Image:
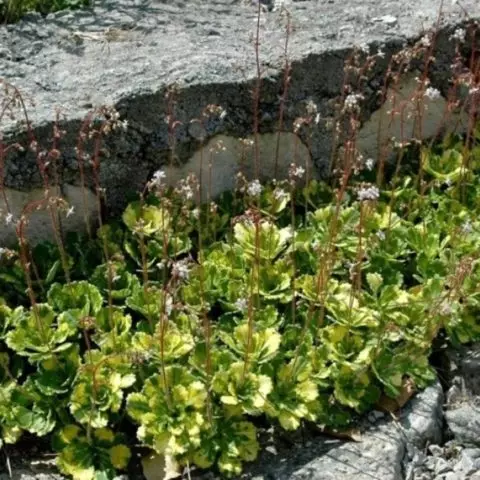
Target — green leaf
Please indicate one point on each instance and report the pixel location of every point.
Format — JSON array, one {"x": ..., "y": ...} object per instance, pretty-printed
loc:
[
  {"x": 38, "y": 334},
  {"x": 263, "y": 346},
  {"x": 114, "y": 280},
  {"x": 264, "y": 240},
  {"x": 146, "y": 219},
  {"x": 81, "y": 296}
]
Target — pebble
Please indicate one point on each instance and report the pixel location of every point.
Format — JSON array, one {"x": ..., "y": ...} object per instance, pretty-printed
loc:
[
  {"x": 389, "y": 20},
  {"x": 442, "y": 466}
]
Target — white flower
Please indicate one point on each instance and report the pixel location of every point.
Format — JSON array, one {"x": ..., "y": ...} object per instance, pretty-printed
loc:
[
  {"x": 2, "y": 251},
  {"x": 196, "y": 213},
  {"x": 459, "y": 35},
  {"x": 370, "y": 163},
  {"x": 161, "y": 264},
  {"x": 9, "y": 219},
  {"x": 350, "y": 266},
  {"x": 432, "y": 93},
  {"x": 158, "y": 177},
  {"x": 368, "y": 193},
  {"x": 254, "y": 188},
  {"x": 279, "y": 194},
  {"x": 70, "y": 211},
  {"x": 288, "y": 232},
  {"x": 186, "y": 191},
  {"x": 296, "y": 171},
  {"x": 448, "y": 182},
  {"x": 467, "y": 227},
  {"x": 425, "y": 41},
  {"x": 241, "y": 304},
  {"x": 351, "y": 101},
  {"x": 180, "y": 269},
  {"x": 381, "y": 235},
  {"x": 168, "y": 305}
]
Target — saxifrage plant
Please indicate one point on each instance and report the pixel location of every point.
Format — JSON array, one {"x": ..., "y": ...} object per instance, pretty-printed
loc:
[{"x": 195, "y": 334}]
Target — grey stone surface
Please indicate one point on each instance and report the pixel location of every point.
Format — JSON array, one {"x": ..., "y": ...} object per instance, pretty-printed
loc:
[
  {"x": 462, "y": 413},
  {"x": 452, "y": 462},
  {"x": 423, "y": 420},
  {"x": 464, "y": 423},
  {"x": 34, "y": 469},
  {"x": 76, "y": 60},
  {"x": 465, "y": 368},
  {"x": 459, "y": 457}
]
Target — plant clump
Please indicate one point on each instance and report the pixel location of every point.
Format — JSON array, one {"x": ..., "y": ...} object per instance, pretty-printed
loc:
[{"x": 196, "y": 324}]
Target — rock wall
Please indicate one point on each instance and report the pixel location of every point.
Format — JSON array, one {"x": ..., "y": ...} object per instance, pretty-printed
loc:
[{"x": 128, "y": 53}]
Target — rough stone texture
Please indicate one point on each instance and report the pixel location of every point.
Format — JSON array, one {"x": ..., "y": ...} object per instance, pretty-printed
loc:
[
  {"x": 223, "y": 157},
  {"x": 439, "y": 463},
  {"x": 465, "y": 368},
  {"x": 464, "y": 423},
  {"x": 39, "y": 226},
  {"x": 206, "y": 49},
  {"x": 402, "y": 118},
  {"x": 463, "y": 409},
  {"x": 424, "y": 419},
  {"x": 459, "y": 457}
]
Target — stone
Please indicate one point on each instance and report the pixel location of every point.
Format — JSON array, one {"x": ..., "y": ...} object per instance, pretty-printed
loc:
[
  {"x": 454, "y": 476},
  {"x": 39, "y": 224},
  {"x": 380, "y": 452},
  {"x": 218, "y": 162},
  {"x": 463, "y": 397},
  {"x": 398, "y": 121},
  {"x": 204, "y": 50},
  {"x": 375, "y": 415},
  {"x": 442, "y": 466},
  {"x": 464, "y": 423},
  {"x": 468, "y": 359},
  {"x": 422, "y": 419},
  {"x": 469, "y": 461},
  {"x": 435, "y": 450},
  {"x": 389, "y": 20}
]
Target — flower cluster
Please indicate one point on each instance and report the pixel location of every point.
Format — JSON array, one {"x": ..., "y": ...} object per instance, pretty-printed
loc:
[
  {"x": 432, "y": 93},
  {"x": 352, "y": 101},
  {"x": 254, "y": 188},
  {"x": 157, "y": 180},
  {"x": 368, "y": 193},
  {"x": 181, "y": 269},
  {"x": 296, "y": 171}
]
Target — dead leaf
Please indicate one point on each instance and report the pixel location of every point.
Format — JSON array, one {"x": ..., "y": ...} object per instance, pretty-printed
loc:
[
  {"x": 353, "y": 434},
  {"x": 391, "y": 405}
]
